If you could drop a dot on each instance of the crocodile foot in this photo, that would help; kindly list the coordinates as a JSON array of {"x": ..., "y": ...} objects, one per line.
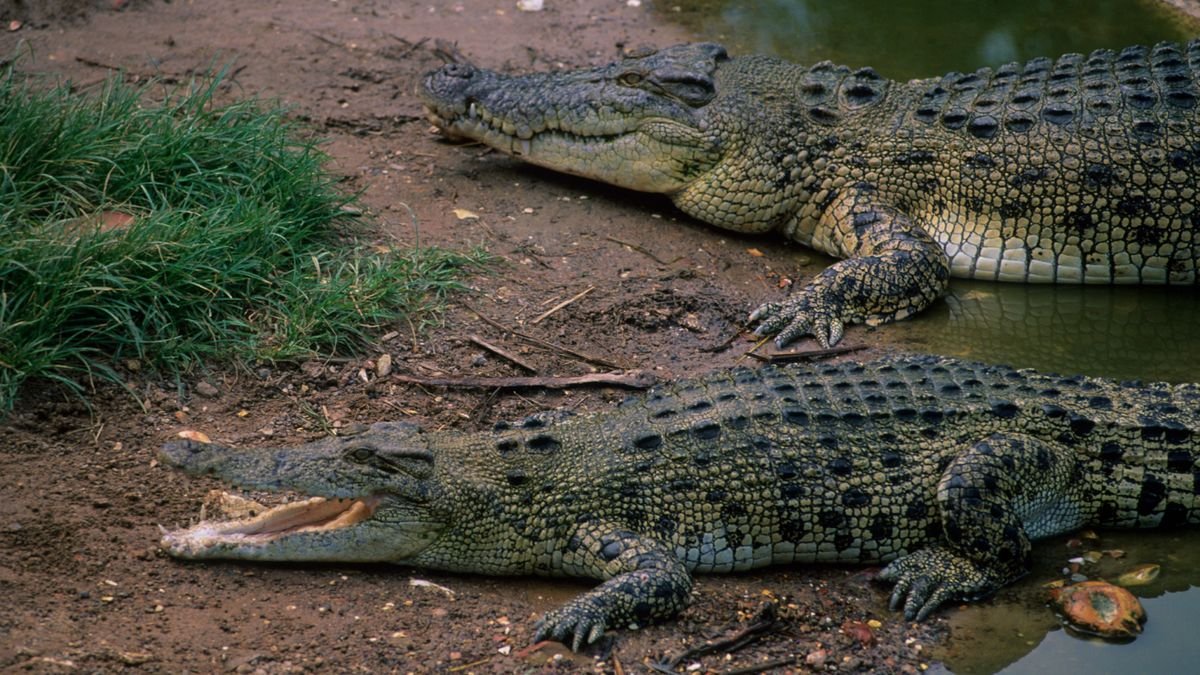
[
  {"x": 576, "y": 624},
  {"x": 813, "y": 311},
  {"x": 926, "y": 579}
]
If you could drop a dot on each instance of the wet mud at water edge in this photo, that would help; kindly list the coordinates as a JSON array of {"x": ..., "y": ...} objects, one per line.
[{"x": 83, "y": 492}]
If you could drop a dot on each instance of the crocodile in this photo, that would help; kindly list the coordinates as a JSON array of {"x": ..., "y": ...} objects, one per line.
[
  {"x": 1083, "y": 169},
  {"x": 944, "y": 470}
]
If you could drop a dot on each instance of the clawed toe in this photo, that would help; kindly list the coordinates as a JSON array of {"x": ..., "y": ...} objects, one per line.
[{"x": 575, "y": 628}]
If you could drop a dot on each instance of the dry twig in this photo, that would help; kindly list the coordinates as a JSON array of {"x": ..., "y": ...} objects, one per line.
[
  {"x": 587, "y": 358},
  {"x": 764, "y": 621},
  {"x": 501, "y": 353},
  {"x": 726, "y": 344},
  {"x": 639, "y": 249},
  {"x": 633, "y": 379},
  {"x": 761, "y": 667},
  {"x": 562, "y": 304},
  {"x": 409, "y": 47},
  {"x": 806, "y": 354},
  {"x": 448, "y": 51}
]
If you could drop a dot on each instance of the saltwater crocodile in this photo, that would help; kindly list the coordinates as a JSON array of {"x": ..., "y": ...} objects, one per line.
[
  {"x": 1082, "y": 169},
  {"x": 944, "y": 469}
]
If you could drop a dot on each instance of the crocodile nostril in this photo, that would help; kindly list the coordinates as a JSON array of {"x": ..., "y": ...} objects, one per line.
[{"x": 463, "y": 70}]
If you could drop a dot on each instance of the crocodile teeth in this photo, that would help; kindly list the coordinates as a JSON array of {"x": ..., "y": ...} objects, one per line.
[
  {"x": 524, "y": 146},
  {"x": 310, "y": 515}
]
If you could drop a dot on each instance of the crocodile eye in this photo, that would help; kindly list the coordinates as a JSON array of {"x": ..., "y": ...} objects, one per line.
[
  {"x": 630, "y": 79},
  {"x": 360, "y": 455}
]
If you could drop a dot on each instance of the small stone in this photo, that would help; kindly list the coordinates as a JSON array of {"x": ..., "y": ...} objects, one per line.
[
  {"x": 383, "y": 366},
  {"x": 1139, "y": 576},
  {"x": 193, "y": 435},
  {"x": 135, "y": 658},
  {"x": 816, "y": 658},
  {"x": 206, "y": 389}
]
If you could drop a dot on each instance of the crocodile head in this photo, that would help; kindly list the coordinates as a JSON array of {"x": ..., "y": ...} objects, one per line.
[
  {"x": 369, "y": 498},
  {"x": 644, "y": 122}
]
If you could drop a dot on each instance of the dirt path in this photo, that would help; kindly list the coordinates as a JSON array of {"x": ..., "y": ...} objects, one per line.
[{"x": 82, "y": 494}]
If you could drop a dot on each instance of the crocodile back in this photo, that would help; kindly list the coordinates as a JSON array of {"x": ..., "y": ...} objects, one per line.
[{"x": 836, "y": 463}]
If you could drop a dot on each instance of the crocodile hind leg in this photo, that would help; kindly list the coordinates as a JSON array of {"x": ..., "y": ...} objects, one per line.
[
  {"x": 892, "y": 269},
  {"x": 645, "y": 583},
  {"x": 994, "y": 498}
]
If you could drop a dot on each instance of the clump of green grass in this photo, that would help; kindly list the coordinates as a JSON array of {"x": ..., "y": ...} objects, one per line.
[{"x": 181, "y": 232}]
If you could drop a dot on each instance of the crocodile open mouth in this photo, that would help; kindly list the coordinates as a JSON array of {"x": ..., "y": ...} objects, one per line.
[{"x": 257, "y": 524}]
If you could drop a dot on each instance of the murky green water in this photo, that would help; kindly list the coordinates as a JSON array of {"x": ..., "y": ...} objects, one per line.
[
  {"x": 1130, "y": 333},
  {"x": 905, "y": 39},
  {"x": 1016, "y": 634}
]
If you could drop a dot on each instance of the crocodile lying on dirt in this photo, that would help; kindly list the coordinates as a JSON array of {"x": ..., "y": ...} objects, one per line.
[
  {"x": 944, "y": 469},
  {"x": 1078, "y": 170}
]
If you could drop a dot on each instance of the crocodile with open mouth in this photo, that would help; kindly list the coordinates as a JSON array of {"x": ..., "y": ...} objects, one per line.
[
  {"x": 944, "y": 470},
  {"x": 1082, "y": 169}
]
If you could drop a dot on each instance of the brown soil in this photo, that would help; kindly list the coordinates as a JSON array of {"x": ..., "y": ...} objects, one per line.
[{"x": 83, "y": 494}]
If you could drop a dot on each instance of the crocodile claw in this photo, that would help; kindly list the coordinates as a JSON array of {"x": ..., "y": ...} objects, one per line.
[
  {"x": 799, "y": 316},
  {"x": 576, "y": 625},
  {"x": 930, "y": 577}
]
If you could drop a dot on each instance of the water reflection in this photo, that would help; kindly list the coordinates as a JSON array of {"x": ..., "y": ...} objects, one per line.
[
  {"x": 1146, "y": 333},
  {"x": 905, "y": 39}
]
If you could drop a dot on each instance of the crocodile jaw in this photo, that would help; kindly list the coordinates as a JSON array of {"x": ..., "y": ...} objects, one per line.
[
  {"x": 215, "y": 538},
  {"x": 632, "y": 159},
  {"x": 578, "y": 123},
  {"x": 315, "y": 529},
  {"x": 351, "y": 512}
]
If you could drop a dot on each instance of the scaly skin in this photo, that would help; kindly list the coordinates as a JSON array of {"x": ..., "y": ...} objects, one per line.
[
  {"x": 1079, "y": 170},
  {"x": 946, "y": 470}
]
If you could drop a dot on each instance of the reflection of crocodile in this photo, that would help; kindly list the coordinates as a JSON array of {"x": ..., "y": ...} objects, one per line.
[
  {"x": 945, "y": 469},
  {"x": 1121, "y": 332},
  {"x": 1080, "y": 170}
]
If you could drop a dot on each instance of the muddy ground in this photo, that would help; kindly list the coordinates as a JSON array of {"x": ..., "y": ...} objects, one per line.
[{"x": 85, "y": 587}]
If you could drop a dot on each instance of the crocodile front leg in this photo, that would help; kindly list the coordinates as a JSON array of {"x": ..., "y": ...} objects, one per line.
[
  {"x": 993, "y": 499},
  {"x": 645, "y": 583},
  {"x": 892, "y": 269}
]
